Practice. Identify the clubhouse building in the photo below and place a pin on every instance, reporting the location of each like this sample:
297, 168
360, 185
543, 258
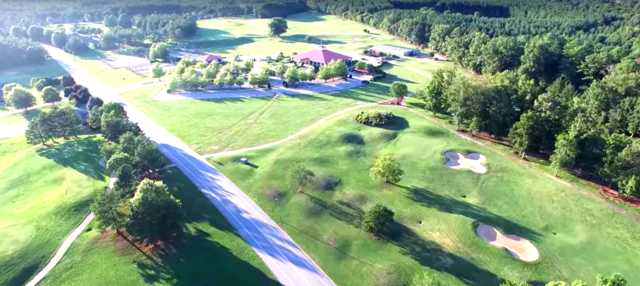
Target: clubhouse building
320, 57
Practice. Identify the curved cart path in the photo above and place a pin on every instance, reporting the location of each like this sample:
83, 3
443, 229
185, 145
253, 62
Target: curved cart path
61, 250
293, 136
286, 260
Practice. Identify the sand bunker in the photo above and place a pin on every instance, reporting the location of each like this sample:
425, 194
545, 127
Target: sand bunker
519, 247
474, 162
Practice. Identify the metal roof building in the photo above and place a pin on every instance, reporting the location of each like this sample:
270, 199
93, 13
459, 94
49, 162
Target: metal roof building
393, 50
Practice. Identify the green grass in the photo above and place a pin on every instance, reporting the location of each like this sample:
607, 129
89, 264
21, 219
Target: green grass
214, 125
23, 75
91, 62
210, 253
44, 193
241, 36
578, 233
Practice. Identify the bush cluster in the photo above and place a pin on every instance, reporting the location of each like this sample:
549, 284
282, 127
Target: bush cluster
374, 118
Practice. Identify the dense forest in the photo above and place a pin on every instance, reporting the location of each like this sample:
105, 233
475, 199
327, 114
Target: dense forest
563, 76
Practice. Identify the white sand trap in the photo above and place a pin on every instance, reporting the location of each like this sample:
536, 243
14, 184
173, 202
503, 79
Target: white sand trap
474, 162
519, 247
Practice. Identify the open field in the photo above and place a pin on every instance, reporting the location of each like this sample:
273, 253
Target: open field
23, 75
210, 253
215, 125
438, 209
44, 193
240, 36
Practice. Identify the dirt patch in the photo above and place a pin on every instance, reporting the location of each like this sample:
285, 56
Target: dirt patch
474, 162
519, 247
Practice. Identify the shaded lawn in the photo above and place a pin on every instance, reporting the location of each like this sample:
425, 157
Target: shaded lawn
437, 209
210, 253
42, 200
23, 75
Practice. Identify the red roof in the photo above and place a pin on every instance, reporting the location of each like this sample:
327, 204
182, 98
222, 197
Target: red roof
211, 57
322, 56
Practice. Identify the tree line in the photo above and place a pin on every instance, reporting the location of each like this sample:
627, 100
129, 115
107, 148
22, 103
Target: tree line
66, 11
563, 81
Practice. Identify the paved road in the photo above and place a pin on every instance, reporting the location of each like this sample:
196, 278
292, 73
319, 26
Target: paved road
286, 260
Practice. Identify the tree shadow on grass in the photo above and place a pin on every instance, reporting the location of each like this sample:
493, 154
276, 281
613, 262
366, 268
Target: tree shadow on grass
450, 205
341, 210
199, 260
396, 124
196, 207
432, 255
83, 155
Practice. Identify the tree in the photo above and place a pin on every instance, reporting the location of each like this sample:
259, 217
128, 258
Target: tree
108, 41
110, 21
95, 115
521, 133
147, 157
52, 124
339, 69
277, 27
433, 93
157, 71
110, 210
630, 186
302, 177
615, 279
59, 39
291, 76
114, 125
386, 169
75, 45
35, 33
20, 98
377, 220
125, 178
565, 152
399, 90
118, 160
18, 32
155, 213
50, 94
125, 21
158, 52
